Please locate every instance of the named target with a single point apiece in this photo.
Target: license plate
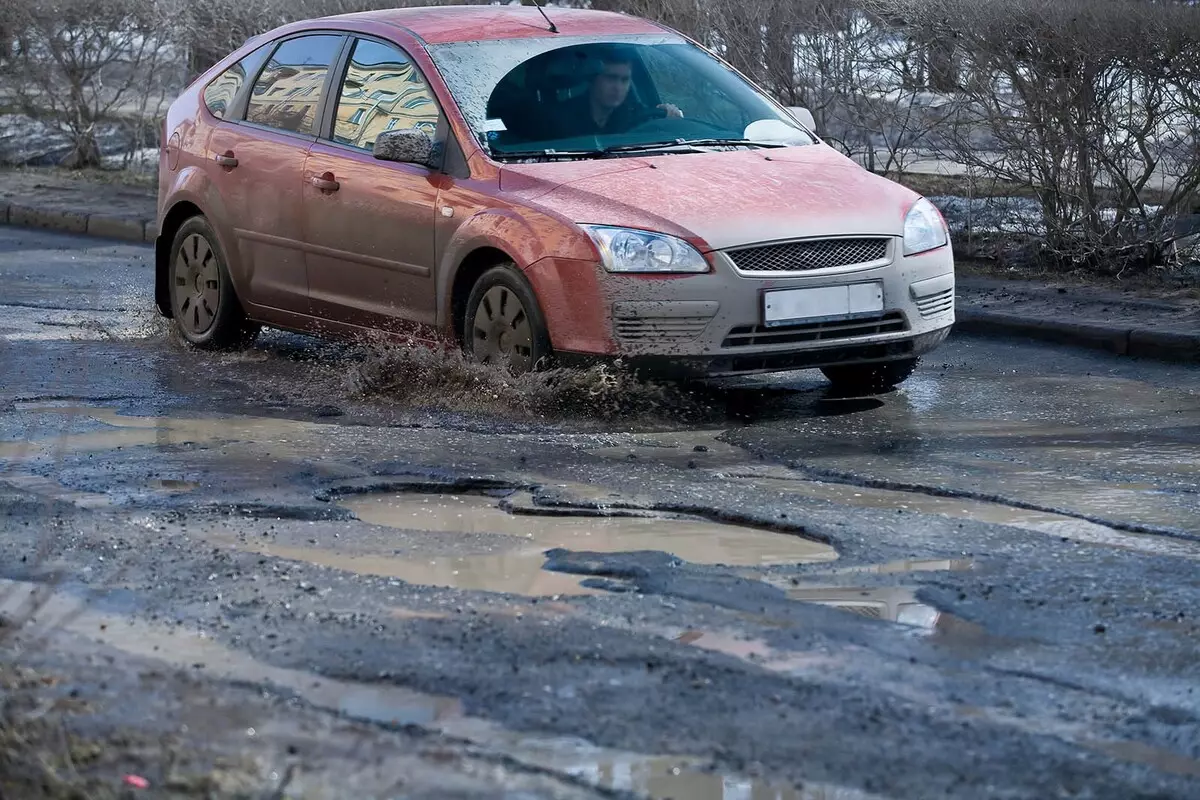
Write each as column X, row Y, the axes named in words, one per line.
column 822, row 303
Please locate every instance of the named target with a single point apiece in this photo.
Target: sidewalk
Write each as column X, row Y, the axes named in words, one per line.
column 34, row 198
column 1165, row 327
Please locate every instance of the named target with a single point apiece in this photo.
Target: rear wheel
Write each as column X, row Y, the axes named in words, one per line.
column 205, row 306
column 868, row 378
column 503, row 323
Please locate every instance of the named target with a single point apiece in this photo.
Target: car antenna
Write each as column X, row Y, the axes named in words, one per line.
column 549, row 22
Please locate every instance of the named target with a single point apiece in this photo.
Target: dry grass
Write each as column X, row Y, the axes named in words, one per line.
column 125, row 178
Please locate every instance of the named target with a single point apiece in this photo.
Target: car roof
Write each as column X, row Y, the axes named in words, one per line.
column 442, row 24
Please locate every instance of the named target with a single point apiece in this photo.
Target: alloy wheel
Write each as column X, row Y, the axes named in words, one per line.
column 501, row 331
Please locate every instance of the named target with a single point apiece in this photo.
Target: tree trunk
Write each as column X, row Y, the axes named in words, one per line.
column 85, row 151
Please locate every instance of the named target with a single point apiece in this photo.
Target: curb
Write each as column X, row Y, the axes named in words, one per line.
column 107, row 226
column 1176, row 346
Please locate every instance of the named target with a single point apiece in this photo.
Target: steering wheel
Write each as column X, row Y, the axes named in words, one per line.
column 656, row 117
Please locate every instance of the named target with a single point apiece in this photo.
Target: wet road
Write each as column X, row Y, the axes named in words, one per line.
column 748, row 590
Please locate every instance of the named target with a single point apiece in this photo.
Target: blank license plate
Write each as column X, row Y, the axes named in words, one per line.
column 822, row 303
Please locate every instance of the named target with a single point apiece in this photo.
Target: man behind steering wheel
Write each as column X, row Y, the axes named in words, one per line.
column 607, row 106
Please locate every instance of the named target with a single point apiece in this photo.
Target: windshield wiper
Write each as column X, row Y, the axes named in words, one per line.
column 688, row 145
column 710, row 142
column 516, row 154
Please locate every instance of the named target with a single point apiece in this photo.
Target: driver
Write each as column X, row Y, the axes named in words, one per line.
column 607, row 106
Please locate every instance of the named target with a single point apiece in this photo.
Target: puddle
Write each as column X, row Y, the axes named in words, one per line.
column 1141, row 753
column 186, row 649
column 914, row 565
column 977, row 510
column 755, row 651
column 890, row 603
column 172, row 485
column 523, row 538
column 654, row 776
column 51, row 489
column 284, row 437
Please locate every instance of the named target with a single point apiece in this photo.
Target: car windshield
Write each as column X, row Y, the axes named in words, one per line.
column 575, row 97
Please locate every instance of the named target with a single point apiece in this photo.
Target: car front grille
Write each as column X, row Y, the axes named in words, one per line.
column 936, row 304
column 809, row 254
column 661, row 329
column 748, row 335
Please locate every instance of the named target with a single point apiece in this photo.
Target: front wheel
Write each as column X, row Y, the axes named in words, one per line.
column 870, row 378
column 205, row 306
column 504, row 324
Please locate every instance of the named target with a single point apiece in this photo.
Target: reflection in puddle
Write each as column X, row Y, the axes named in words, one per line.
column 173, row 485
column 977, row 510
column 514, row 562
column 890, row 603
column 913, row 565
column 659, row 777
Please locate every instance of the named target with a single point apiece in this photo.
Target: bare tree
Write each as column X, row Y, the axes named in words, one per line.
column 80, row 63
column 1072, row 98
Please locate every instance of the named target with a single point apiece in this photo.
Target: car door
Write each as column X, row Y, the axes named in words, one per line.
column 256, row 162
column 369, row 225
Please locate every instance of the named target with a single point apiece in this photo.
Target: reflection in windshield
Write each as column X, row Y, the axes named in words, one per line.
column 583, row 95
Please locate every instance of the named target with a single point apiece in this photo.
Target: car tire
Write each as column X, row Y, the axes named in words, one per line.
column 870, row 378
column 504, row 323
column 205, row 306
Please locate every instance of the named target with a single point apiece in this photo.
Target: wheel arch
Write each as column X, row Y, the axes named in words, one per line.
column 172, row 221
column 469, row 270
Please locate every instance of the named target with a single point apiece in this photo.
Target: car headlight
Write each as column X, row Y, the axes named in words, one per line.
column 924, row 229
column 629, row 250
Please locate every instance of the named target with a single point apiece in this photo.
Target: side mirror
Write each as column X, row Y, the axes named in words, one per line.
column 804, row 117
column 404, row 146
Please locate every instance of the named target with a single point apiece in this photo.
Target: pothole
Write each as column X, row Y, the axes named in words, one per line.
column 470, row 542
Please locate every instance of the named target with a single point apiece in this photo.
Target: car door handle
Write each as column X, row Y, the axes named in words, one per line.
column 325, row 182
column 226, row 159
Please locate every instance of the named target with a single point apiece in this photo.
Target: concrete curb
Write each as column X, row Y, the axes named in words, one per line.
column 107, row 226
column 1161, row 345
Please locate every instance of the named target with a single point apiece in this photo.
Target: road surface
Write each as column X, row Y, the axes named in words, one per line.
column 329, row 570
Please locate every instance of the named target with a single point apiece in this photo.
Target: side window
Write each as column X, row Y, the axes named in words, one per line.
column 383, row 91
column 288, row 91
column 222, row 93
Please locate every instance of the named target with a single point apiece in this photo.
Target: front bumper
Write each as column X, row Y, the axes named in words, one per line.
column 714, row 323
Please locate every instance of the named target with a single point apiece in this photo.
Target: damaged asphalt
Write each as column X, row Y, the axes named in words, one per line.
column 982, row 585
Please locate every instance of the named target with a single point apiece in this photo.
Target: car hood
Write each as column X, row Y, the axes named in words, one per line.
column 722, row 199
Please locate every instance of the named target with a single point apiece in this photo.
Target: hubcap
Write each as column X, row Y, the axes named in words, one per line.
column 501, row 330
column 197, row 285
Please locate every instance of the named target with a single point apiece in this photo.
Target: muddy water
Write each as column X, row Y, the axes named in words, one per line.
column 284, row 437
column 960, row 508
column 45, row 614
column 514, row 563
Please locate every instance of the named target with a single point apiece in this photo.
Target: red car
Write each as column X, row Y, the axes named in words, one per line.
column 577, row 184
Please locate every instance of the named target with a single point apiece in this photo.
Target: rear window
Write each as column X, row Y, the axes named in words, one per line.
column 288, row 91
column 222, row 93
